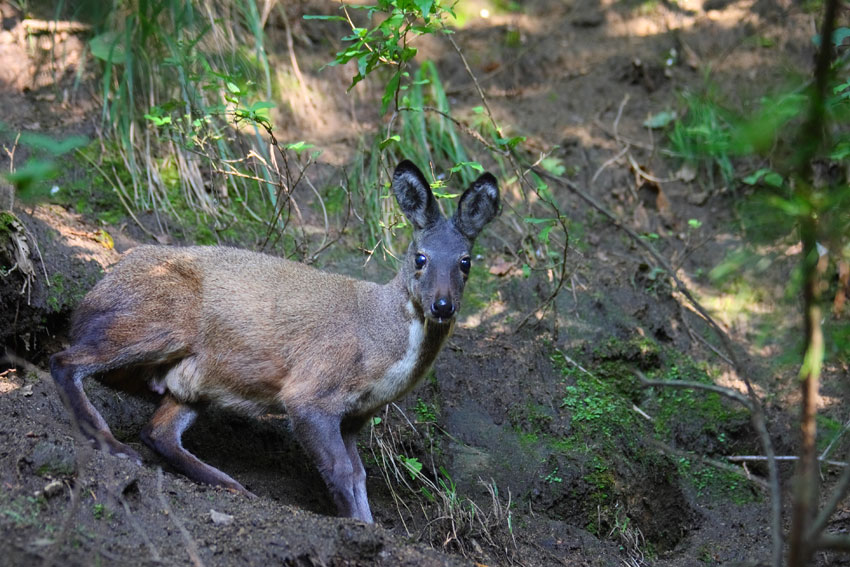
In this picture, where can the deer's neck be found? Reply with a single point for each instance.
(412, 343)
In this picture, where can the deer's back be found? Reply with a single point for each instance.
(244, 329)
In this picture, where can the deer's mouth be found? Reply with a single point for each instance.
(440, 322)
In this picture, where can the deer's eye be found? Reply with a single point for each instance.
(420, 261)
(465, 264)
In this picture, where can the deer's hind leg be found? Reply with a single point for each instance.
(68, 370)
(103, 343)
(164, 434)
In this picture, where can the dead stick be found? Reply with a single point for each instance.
(191, 546)
(728, 392)
(742, 458)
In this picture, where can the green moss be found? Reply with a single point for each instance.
(529, 439)
(65, 294)
(616, 441)
(712, 482)
(7, 220)
(425, 412)
(598, 408)
(704, 413)
(24, 511)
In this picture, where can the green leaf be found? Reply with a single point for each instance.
(232, 87)
(28, 179)
(512, 142)
(158, 120)
(55, 147)
(389, 92)
(108, 47)
(754, 177)
(773, 179)
(660, 120)
(766, 174)
(424, 7)
(840, 151)
(412, 464)
(320, 17)
(376, 420)
(838, 36)
(553, 165)
(463, 164)
(362, 65)
(299, 146)
(396, 138)
(261, 105)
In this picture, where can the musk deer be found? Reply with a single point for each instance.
(221, 326)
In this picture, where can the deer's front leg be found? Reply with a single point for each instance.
(349, 437)
(321, 437)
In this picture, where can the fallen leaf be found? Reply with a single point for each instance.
(500, 267)
(220, 518)
(686, 173)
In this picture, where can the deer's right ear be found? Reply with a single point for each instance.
(414, 196)
(477, 206)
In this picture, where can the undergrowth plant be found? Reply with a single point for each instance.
(422, 126)
(186, 110)
(798, 192)
(452, 521)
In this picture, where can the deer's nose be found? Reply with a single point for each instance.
(442, 308)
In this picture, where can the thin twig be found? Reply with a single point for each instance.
(839, 491)
(758, 481)
(834, 439)
(191, 546)
(608, 162)
(727, 392)
(473, 133)
(155, 556)
(743, 458)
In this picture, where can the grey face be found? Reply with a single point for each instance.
(438, 259)
(441, 263)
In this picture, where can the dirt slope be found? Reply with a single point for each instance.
(498, 410)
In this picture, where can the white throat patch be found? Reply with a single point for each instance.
(399, 376)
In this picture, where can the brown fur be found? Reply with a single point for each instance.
(229, 327)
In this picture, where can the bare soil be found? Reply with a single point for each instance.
(579, 74)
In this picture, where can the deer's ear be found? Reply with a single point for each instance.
(414, 196)
(478, 205)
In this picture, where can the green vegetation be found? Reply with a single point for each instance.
(446, 509)
(616, 439)
(702, 138)
(425, 413)
(31, 178)
(101, 512)
(24, 511)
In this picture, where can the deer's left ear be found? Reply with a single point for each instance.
(414, 196)
(478, 205)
